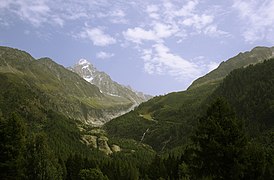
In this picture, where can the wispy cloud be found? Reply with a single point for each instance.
(34, 12)
(151, 25)
(178, 21)
(167, 20)
(4, 23)
(158, 32)
(152, 11)
(117, 16)
(5, 3)
(97, 36)
(258, 19)
(104, 55)
(160, 60)
(213, 31)
(139, 34)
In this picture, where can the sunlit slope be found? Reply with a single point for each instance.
(72, 95)
(169, 120)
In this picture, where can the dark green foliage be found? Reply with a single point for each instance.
(35, 108)
(220, 142)
(176, 113)
(40, 140)
(119, 127)
(57, 88)
(40, 161)
(92, 174)
(172, 119)
(250, 91)
(12, 147)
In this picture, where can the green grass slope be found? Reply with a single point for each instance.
(169, 120)
(256, 55)
(72, 96)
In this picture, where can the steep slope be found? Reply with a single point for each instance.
(250, 91)
(256, 55)
(107, 86)
(53, 100)
(71, 95)
(36, 109)
(167, 121)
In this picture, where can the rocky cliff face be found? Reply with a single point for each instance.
(106, 85)
(97, 139)
(63, 91)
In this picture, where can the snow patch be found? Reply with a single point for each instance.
(85, 67)
(113, 95)
(83, 61)
(88, 78)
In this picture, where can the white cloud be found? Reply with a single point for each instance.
(164, 30)
(118, 13)
(158, 32)
(187, 9)
(4, 23)
(170, 21)
(5, 3)
(58, 12)
(117, 16)
(152, 8)
(198, 21)
(213, 31)
(152, 11)
(59, 21)
(97, 36)
(160, 60)
(211, 66)
(104, 55)
(34, 12)
(258, 19)
(138, 34)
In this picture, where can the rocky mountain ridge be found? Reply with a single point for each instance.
(64, 91)
(106, 85)
(170, 118)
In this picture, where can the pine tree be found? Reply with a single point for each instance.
(220, 143)
(92, 174)
(41, 163)
(12, 146)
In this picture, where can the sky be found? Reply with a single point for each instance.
(155, 46)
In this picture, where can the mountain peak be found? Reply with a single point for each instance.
(106, 85)
(83, 62)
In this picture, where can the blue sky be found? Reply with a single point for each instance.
(155, 46)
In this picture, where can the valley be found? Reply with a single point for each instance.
(77, 119)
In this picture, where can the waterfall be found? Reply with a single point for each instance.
(144, 135)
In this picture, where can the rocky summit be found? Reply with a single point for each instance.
(106, 85)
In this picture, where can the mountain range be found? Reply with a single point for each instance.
(106, 85)
(72, 96)
(77, 121)
(169, 120)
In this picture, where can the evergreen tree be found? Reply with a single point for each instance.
(220, 142)
(12, 146)
(157, 168)
(41, 163)
(92, 174)
(73, 165)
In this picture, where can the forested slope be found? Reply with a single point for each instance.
(170, 119)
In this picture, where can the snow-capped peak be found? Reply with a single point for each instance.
(83, 62)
